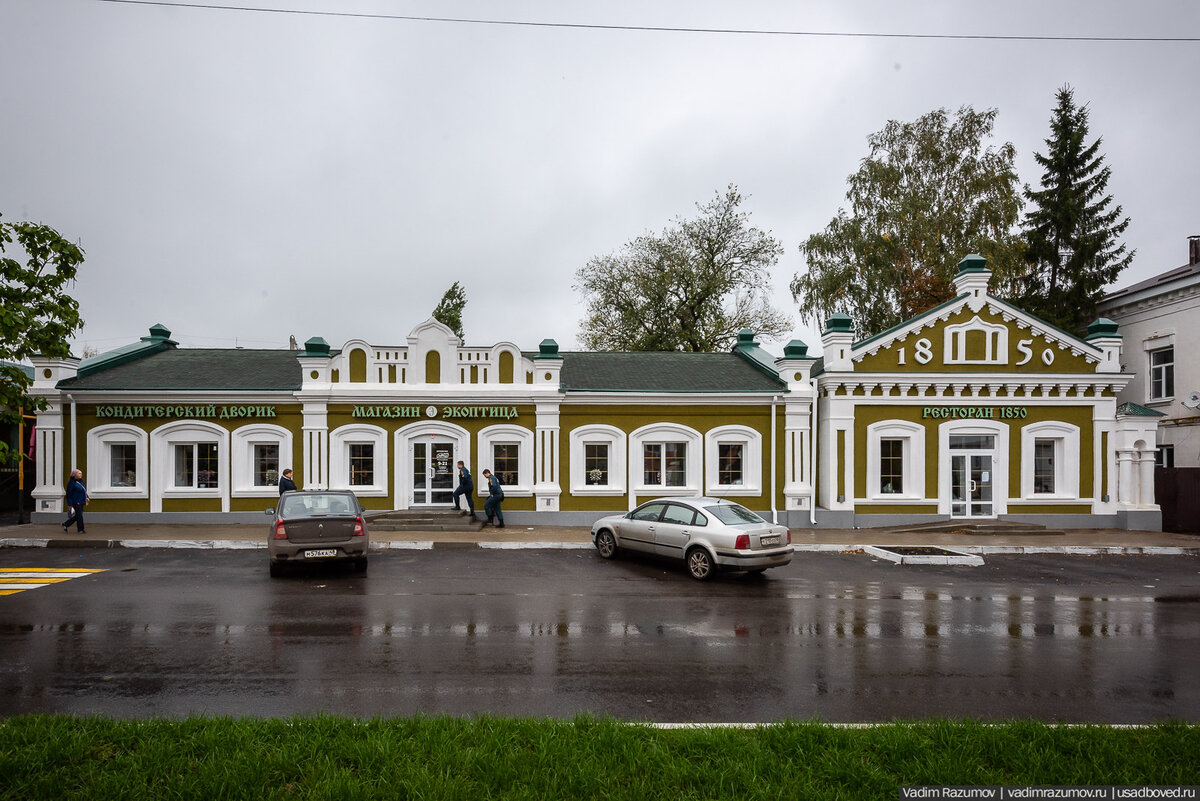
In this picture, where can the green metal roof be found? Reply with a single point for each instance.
(1130, 409)
(664, 371)
(196, 369)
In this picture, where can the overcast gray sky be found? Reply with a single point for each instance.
(242, 176)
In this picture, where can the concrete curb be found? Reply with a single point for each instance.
(425, 545)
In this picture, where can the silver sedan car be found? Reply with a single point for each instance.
(707, 533)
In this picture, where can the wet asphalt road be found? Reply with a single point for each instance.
(462, 631)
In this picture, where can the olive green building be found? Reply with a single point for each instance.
(971, 410)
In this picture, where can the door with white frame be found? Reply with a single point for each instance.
(433, 472)
(972, 475)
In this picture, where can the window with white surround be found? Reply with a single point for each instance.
(507, 451)
(733, 461)
(1162, 374)
(895, 461)
(117, 462)
(358, 459)
(665, 459)
(261, 452)
(1050, 461)
(190, 459)
(597, 455)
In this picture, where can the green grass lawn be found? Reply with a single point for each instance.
(57, 757)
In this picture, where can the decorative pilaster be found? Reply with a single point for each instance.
(546, 489)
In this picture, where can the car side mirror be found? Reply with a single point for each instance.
(270, 512)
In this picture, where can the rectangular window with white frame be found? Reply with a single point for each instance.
(664, 464)
(595, 464)
(122, 464)
(266, 464)
(196, 465)
(506, 462)
(895, 462)
(362, 464)
(1162, 373)
(1044, 475)
(730, 463)
(891, 466)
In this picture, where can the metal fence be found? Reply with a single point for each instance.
(1177, 491)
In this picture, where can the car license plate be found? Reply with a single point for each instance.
(771, 540)
(318, 554)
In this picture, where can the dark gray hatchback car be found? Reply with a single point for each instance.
(312, 526)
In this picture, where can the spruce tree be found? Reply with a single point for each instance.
(1072, 229)
(450, 308)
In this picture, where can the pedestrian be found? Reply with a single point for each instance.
(466, 486)
(285, 482)
(77, 498)
(491, 507)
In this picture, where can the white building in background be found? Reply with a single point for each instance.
(1160, 321)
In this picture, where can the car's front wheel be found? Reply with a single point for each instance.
(606, 544)
(700, 564)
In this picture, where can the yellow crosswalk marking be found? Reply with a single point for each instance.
(15, 580)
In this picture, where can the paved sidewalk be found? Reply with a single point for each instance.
(1079, 541)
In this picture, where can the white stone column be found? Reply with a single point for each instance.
(1145, 478)
(1126, 487)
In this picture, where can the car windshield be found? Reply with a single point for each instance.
(733, 514)
(317, 505)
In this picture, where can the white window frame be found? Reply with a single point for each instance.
(1066, 460)
(188, 432)
(242, 442)
(912, 436)
(1153, 346)
(666, 432)
(751, 442)
(340, 440)
(611, 436)
(99, 460)
(507, 435)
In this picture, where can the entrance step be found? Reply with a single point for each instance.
(424, 520)
(972, 527)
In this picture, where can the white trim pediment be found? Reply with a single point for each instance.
(1006, 312)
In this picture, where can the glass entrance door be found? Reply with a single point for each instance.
(433, 473)
(971, 476)
(971, 485)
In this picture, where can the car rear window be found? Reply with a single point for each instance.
(317, 506)
(733, 514)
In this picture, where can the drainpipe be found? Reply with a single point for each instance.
(74, 464)
(812, 456)
(774, 510)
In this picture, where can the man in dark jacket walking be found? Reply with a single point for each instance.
(466, 486)
(285, 482)
(77, 498)
(491, 507)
